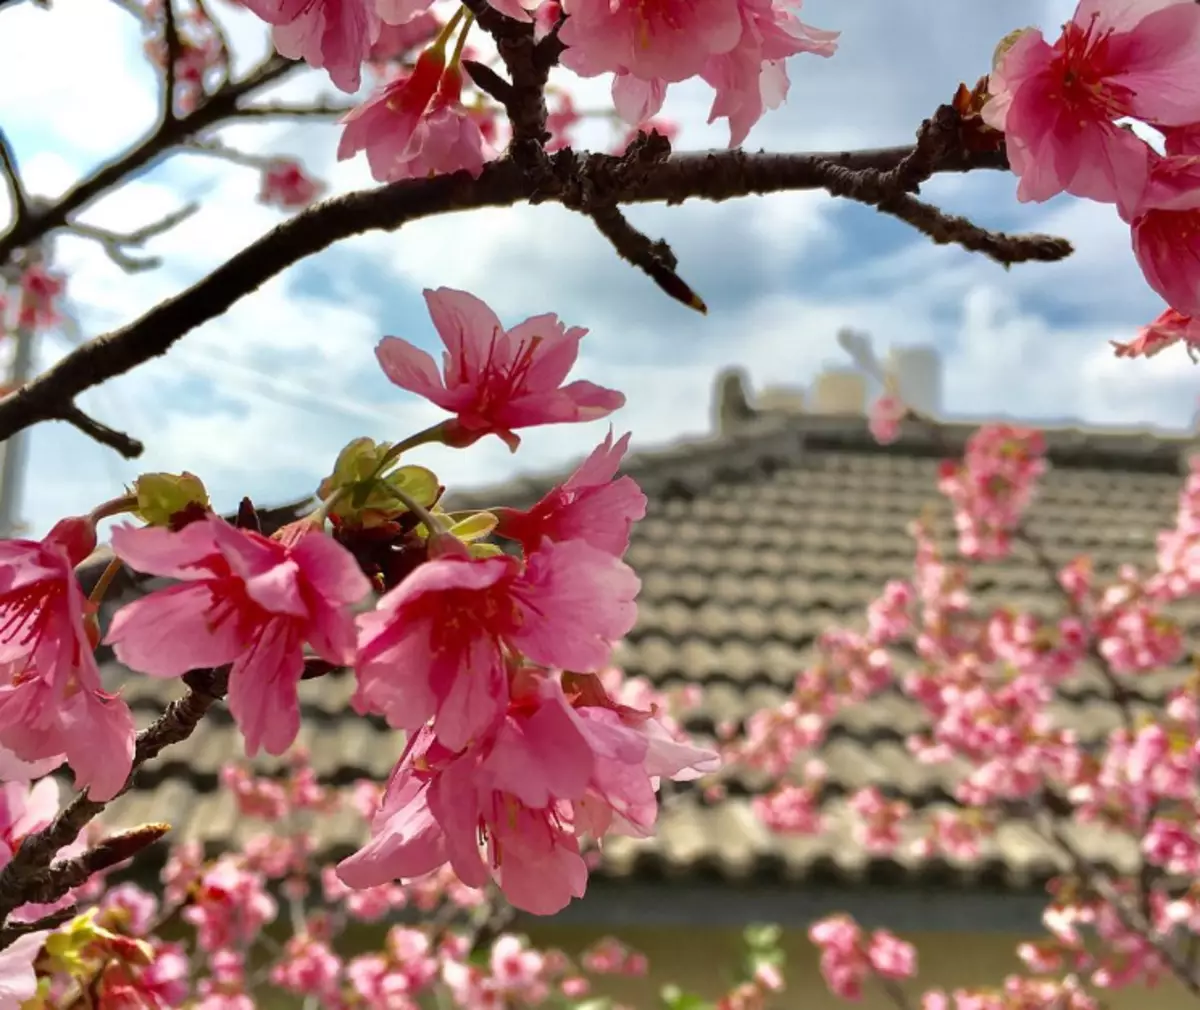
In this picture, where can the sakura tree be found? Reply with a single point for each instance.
(523, 748)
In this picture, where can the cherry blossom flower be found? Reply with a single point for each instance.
(18, 982)
(494, 379)
(1168, 328)
(436, 644)
(287, 185)
(51, 701)
(335, 35)
(448, 137)
(245, 600)
(1057, 105)
(590, 505)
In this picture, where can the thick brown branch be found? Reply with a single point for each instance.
(33, 858)
(147, 153)
(712, 176)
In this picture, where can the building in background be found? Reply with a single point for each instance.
(786, 520)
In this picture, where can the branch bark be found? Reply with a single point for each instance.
(714, 176)
(158, 144)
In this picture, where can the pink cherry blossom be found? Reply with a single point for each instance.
(1057, 105)
(436, 807)
(437, 643)
(287, 185)
(494, 379)
(245, 600)
(396, 41)
(1168, 328)
(51, 702)
(886, 414)
(18, 982)
(668, 40)
(448, 138)
(752, 77)
(1166, 230)
(335, 35)
(590, 506)
(41, 292)
(384, 124)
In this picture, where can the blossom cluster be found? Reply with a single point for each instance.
(210, 938)
(1066, 111)
(987, 679)
(493, 662)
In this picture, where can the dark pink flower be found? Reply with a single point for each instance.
(438, 644)
(245, 600)
(590, 506)
(494, 379)
(51, 702)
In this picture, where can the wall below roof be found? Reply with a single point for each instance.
(699, 959)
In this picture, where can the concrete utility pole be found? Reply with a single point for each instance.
(12, 470)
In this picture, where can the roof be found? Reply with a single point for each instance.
(755, 541)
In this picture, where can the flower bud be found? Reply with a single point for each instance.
(168, 499)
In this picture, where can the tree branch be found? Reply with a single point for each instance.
(172, 47)
(321, 108)
(114, 243)
(126, 445)
(220, 106)
(12, 176)
(711, 176)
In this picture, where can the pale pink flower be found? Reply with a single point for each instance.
(1168, 328)
(884, 421)
(335, 35)
(245, 600)
(561, 118)
(669, 40)
(496, 380)
(1057, 105)
(13, 769)
(636, 100)
(752, 77)
(18, 981)
(589, 505)
(286, 184)
(436, 645)
(51, 702)
(396, 41)
(384, 124)
(633, 753)
(448, 138)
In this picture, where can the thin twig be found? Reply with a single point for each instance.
(1129, 917)
(157, 145)
(114, 243)
(52, 921)
(126, 445)
(218, 149)
(713, 176)
(12, 176)
(323, 107)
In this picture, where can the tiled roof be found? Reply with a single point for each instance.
(753, 544)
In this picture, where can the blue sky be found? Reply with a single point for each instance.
(260, 401)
